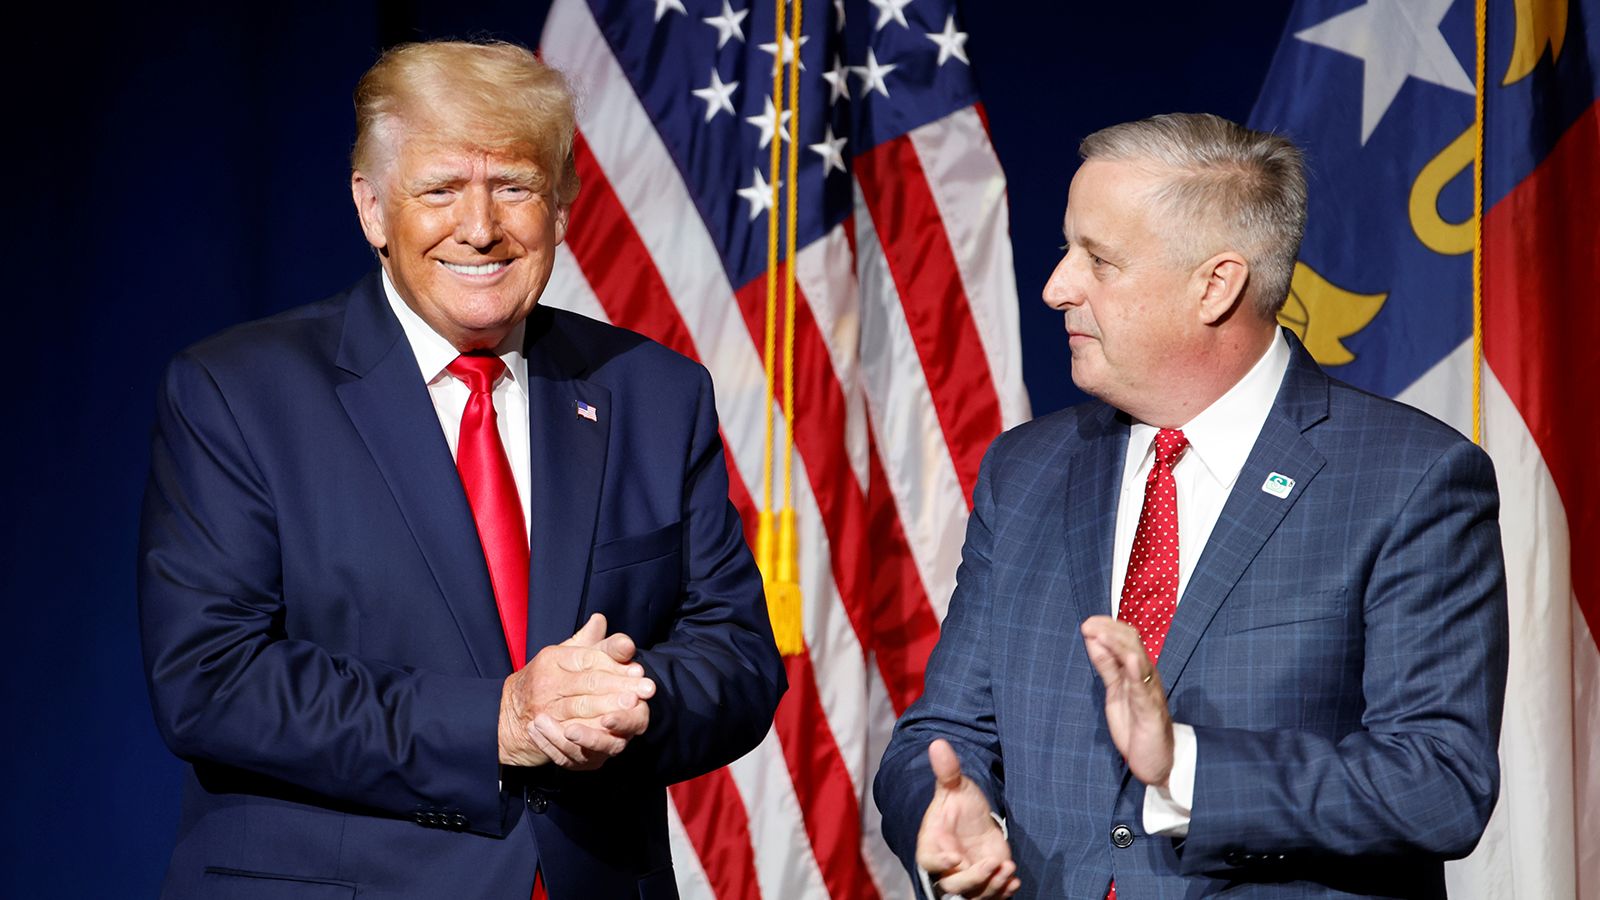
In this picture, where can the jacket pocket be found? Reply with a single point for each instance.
(637, 548)
(659, 885)
(1312, 607)
(239, 884)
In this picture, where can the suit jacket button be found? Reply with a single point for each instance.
(1233, 858)
(538, 803)
(1122, 837)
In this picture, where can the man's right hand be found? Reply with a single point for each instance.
(960, 844)
(586, 693)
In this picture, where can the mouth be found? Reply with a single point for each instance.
(481, 270)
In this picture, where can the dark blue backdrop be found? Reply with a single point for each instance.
(180, 171)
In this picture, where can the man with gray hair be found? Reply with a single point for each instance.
(441, 588)
(1233, 627)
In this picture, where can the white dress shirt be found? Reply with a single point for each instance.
(1220, 440)
(450, 394)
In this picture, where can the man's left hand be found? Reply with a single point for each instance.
(1136, 703)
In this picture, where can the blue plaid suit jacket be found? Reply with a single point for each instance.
(1340, 652)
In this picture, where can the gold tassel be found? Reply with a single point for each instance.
(778, 554)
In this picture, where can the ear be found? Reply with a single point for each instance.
(369, 209)
(1223, 279)
(561, 223)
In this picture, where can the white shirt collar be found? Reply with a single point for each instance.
(1222, 434)
(434, 354)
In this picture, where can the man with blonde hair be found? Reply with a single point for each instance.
(1234, 627)
(439, 587)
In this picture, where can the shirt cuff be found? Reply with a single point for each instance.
(1167, 810)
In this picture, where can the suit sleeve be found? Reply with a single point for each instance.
(718, 673)
(957, 703)
(228, 686)
(1421, 775)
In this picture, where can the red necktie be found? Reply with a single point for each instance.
(1150, 590)
(496, 505)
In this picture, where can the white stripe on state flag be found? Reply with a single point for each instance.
(926, 491)
(1533, 819)
(1586, 757)
(969, 189)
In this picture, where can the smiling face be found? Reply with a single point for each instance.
(467, 235)
(1132, 316)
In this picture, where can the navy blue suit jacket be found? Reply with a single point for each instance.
(1340, 652)
(321, 640)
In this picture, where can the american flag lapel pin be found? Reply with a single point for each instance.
(585, 411)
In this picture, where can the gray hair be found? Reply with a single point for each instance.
(1227, 187)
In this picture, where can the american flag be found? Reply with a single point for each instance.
(906, 358)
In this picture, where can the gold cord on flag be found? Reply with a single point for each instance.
(777, 548)
(1477, 230)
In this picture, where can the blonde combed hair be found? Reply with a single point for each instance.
(1223, 187)
(493, 94)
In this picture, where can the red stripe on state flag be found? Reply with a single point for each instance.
(858, 549)
(1541, 278)
(923, 265)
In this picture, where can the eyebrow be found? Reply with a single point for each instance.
(526, 175)
(425, 183)
(1089, 244)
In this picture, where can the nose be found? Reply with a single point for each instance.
(479, 224)
(1061, 290)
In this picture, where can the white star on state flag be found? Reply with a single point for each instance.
(1393, 39)
(765, 121)
(951, 42)
(831, 150)
(872, 74)
(838, 81)
(890, 10)
(727, 24)
(759, 193)
(788, 48)
(663, 6)
(717, 96)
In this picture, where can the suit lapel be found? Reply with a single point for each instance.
(390, 408)
(1251, 515)
(1093, 481)
(568, 456)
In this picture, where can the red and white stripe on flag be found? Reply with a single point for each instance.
(907, 364)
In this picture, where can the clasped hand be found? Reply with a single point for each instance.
(575, 704)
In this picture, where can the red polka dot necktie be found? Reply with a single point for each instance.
(1150, 591)
(492, 494)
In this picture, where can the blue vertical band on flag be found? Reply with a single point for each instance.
(1376, 93)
